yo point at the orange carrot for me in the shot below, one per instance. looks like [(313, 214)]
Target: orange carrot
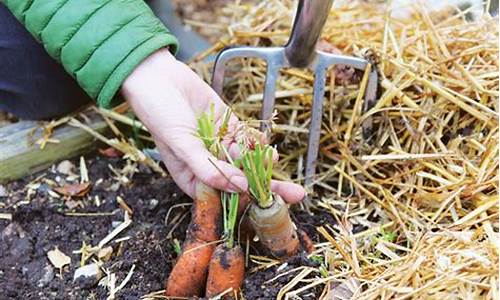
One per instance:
[(275, 228), (268, 213), (226, 271), (305, 241), (189, 274), (206, 215)]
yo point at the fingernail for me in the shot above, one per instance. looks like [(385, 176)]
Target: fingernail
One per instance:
[(238, 184)]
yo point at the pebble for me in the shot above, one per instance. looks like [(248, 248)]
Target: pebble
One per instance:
[(114, 187), (65, 167), (88, 275), (152, 204), (48, 275), (17, 242), (3, 191)]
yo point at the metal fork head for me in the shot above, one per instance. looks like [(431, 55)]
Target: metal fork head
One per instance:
[(298, 52), (275, 58)]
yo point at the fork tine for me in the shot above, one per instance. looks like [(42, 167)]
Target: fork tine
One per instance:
[(272, 74), (315, 127), (324, 61)]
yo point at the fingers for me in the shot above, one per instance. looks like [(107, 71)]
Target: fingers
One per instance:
[(290, 192), (208, 169), (179, 171), (234, 151)]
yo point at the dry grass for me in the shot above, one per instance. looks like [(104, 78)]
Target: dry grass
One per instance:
[(422, 163), (417, 172)]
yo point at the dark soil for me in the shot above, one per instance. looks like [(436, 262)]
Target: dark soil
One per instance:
[(39, 224)]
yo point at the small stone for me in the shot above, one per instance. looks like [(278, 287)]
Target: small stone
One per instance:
[(114, 187), (15, 240), (65, 167), (88, 275), (343, 290), (43, 188), (3, 191), (48, 275), (71, 204), (11, 230), (153, 203), (105, 253)]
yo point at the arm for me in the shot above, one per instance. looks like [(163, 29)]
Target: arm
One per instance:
[(119, 44), (98, 42)]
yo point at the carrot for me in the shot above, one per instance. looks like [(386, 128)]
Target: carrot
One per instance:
[(227, 266), (268, 213), (188, 277), (189, 274), (305, 241), (226, 271), (275, 228), (206, 214)]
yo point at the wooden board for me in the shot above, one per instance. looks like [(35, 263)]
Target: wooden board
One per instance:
[(20, 156)]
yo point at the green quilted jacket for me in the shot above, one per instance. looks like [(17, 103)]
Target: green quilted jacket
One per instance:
[(99, 42)]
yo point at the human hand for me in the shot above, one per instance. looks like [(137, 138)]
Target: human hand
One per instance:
[(168, 97)]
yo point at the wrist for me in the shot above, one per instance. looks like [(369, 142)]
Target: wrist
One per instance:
[(156, 69)]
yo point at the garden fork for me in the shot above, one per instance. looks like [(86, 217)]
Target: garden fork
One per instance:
[(299, 52)]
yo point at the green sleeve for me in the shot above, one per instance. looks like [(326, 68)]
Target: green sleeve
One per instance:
[(99, 42)]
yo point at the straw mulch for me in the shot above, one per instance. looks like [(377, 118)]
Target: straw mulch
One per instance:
[(413, 180)]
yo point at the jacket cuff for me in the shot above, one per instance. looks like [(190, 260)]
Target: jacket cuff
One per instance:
[(106, 97)]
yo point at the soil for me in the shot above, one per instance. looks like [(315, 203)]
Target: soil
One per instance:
[(40, 222)]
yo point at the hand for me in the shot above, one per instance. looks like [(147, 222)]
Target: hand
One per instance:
[(168, 97)]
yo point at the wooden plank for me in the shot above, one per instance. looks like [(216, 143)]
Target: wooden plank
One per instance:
[(20, 156)]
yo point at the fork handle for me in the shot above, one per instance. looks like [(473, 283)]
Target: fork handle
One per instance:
[(309, 21)]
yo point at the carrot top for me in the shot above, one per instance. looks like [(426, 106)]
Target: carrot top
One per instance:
[(213, 142), (230, 203), (258, 167), (212, 138)]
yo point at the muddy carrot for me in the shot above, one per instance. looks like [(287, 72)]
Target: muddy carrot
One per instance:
[(226, 271), (189, 274), (274, 228), (227, 266), (188, 277), (268, 212)]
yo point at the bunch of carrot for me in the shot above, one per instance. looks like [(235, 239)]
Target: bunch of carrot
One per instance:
[(220, 269)]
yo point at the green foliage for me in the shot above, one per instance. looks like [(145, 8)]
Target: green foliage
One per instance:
[(323, 271), (230, 203), (177, 247), (206, 131), (388, 236), (317, 259), (258, 167)]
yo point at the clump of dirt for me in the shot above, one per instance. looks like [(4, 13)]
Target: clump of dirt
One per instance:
[(266, 284), (42, 221)]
